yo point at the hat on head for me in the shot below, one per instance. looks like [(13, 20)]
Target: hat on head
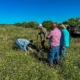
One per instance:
[(62, 26), (39, 25)]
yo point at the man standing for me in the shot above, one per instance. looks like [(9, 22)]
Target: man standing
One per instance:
[(64, 42), (54, 42), (42, 34)]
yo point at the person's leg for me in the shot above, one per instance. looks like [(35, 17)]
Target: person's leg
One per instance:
[(57, 57), (42, 44), (62, 51), (19, 45), (51, 56)]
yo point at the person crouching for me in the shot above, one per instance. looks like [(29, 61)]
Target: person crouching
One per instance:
[(24, 44)]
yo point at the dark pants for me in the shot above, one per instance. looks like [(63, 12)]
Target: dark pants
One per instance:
[(42, 44)]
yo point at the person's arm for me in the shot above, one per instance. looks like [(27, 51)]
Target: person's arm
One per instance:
[(38, 34), (26, 42), (64, 39), (45, 33), (25, 48), (49, 36), (30, 48)]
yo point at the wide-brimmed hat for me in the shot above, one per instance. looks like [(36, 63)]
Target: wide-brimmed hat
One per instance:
[(62, 26)]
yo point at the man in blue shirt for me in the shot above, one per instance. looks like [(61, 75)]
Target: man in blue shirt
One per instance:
[(24, 44), (64, 41)]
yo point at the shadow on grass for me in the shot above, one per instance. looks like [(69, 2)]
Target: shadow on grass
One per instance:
[(40, 55)]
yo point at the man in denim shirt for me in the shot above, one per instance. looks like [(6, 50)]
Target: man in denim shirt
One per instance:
[(23, 44)]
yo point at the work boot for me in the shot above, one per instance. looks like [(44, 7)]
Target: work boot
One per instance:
[(57, 62)]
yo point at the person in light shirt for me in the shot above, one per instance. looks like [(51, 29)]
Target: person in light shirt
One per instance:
[(24, 44), (42, 34), (54, 42)]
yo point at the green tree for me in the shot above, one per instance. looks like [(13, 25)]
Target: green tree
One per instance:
[(77, 21), (65, 22), (33, 24), (25, 24), (47, 24), (71, 21), (18, 24)]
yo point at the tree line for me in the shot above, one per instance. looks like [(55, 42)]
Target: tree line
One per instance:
[(47, 24)]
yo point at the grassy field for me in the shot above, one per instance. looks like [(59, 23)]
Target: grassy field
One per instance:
[(15, 65)]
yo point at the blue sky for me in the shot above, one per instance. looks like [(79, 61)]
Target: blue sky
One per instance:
[(12, 11)]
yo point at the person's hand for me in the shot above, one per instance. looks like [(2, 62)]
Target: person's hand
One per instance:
[(47, 38), (32, 51), (44, 39), (26, 52), (63, 47)]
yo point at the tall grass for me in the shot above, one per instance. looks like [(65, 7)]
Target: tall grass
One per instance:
[(15, 65)]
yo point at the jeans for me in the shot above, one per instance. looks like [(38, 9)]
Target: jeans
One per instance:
[(53, 54), (19, 45), (62, 51)]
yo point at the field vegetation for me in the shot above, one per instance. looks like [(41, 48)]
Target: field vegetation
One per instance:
[(15, 65)]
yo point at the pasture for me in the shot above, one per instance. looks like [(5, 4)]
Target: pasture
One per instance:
[(15, 65)]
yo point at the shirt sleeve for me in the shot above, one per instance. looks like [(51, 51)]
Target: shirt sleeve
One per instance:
[(30, 48), (49, 35), (45, 33), (64, 38), (25, 48), (39, 33), (26, 42)]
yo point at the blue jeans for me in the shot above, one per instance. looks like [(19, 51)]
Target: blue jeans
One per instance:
[(19, 45), (62, 51), (53, 54)]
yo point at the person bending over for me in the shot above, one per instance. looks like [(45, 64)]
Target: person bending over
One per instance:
[(24, 44)]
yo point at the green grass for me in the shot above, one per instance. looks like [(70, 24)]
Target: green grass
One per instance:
[(15, 65)]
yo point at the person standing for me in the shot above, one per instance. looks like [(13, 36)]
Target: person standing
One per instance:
[(64, 41), (43, 34), (54, 42)]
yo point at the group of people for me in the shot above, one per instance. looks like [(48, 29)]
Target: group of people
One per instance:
[(58, 42)]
